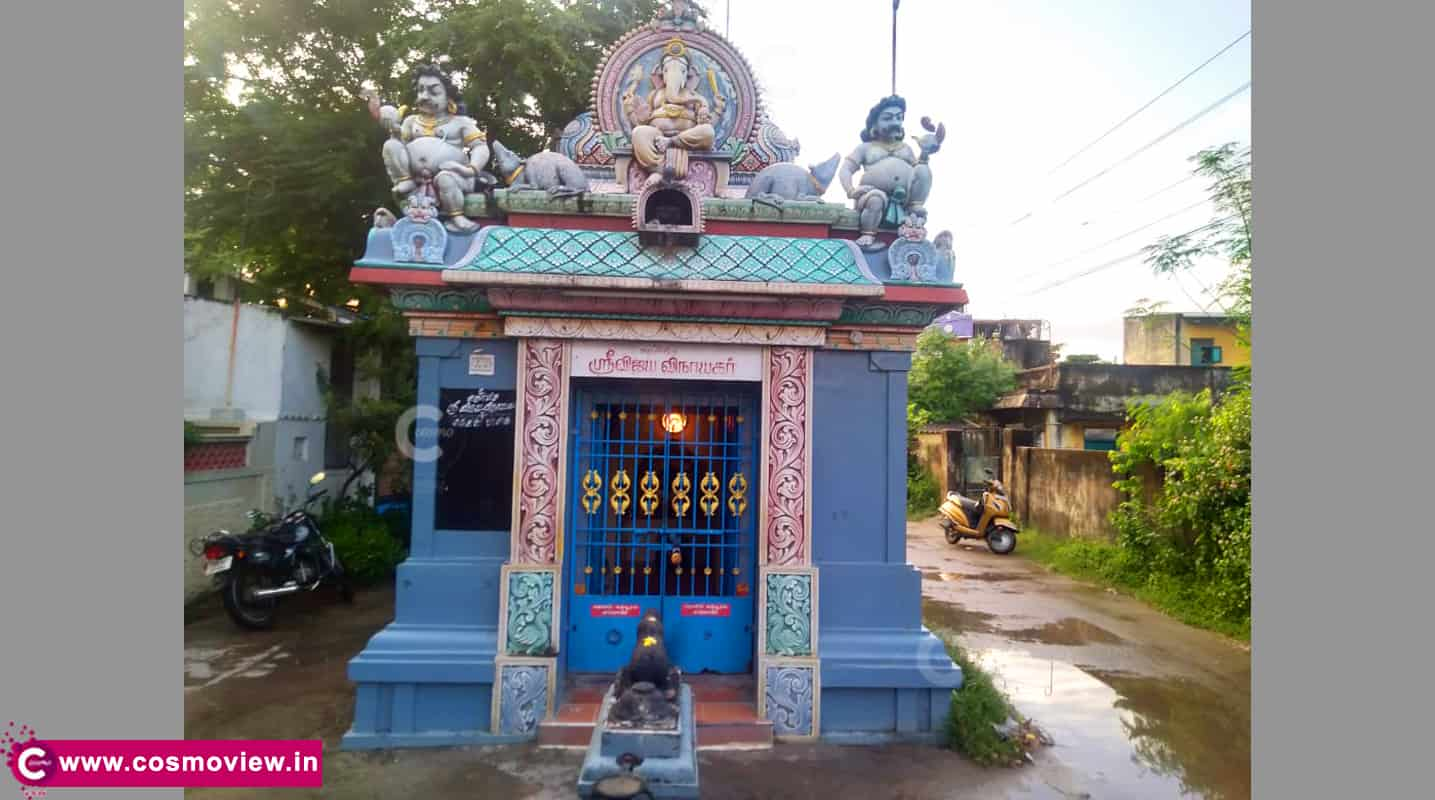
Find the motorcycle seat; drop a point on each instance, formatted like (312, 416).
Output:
(971, 508)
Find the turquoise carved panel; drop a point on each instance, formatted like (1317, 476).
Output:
(530, 614)
(789, 614)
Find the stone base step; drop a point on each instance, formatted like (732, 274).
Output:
(726, 713)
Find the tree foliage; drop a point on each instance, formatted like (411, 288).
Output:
(951, 379)
(1184, 470)
(1228, 236)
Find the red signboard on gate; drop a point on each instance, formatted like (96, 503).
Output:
(707, 610)
(613, 610)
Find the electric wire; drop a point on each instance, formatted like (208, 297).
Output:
(1143, 148)
(1116, 261)
(1112, 240)
(1150, 102)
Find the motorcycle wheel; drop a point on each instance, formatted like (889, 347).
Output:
(952, 536)
(248, 612)
(1001, 541)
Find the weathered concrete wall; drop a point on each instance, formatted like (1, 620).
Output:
(218, 499)
(933, 456)
(1064, 492)
(259, 350)
(1149, 340)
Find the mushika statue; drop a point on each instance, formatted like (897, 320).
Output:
(672, 116)
(895, 180)
(436, 151)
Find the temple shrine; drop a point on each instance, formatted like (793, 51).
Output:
(657, 372)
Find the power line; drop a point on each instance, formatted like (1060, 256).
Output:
(1150, 102)
(1120, 260)
(1113, 240)
(1159, 139)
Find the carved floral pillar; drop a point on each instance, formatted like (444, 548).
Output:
(537, 514)
(788, 676)
(529, 596)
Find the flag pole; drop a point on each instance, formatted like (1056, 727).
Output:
(895, 3)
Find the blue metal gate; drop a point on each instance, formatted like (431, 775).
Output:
(662, 515)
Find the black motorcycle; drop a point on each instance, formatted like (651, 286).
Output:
(281, 556)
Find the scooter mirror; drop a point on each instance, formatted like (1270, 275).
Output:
(317, 479)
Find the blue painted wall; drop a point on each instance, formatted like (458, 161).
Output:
(427, 678)
(883, 674)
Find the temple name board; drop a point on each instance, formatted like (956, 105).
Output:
(666, 361)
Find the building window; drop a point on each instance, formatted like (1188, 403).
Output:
(1205, 353)
(1100, 439)
(301, 448)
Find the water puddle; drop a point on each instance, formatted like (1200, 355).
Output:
(954, 618)
(930, 575)
(1070, 631)
(1134, 736)
(997, 577)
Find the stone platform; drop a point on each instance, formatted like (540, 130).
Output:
(667, 776)
(725, 709)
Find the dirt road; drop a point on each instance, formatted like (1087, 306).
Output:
(1140, 705)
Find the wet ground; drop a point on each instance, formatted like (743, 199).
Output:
(1140, 706)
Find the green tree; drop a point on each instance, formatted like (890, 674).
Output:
(1228, 236)
(950, 379)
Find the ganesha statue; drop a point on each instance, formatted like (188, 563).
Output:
(672, 119)
(436, 151)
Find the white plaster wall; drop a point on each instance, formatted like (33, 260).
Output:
(259, 354)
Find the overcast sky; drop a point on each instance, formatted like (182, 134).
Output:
(1022, 85)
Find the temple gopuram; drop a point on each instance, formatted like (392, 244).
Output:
(657, 372)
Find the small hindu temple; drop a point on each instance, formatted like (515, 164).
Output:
(657, 373)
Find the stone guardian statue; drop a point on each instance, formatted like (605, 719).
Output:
(895, 180)
(435, 151)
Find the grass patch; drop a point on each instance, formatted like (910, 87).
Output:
(976, 709)
(1184, 597)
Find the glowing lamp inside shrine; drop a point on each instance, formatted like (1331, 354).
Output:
(674, 422)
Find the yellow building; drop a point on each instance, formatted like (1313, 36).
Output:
(1183, 339)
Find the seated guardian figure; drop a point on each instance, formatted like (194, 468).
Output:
(435, 150)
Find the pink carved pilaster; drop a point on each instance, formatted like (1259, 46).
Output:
(787, 456)
(536, 512)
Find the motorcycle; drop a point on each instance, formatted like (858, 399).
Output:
(281, 557)
(990, 519)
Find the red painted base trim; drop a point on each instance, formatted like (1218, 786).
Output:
(396, 277)
(925, 294)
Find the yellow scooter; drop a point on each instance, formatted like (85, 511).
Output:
(964, 518)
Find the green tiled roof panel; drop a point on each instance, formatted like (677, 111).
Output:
(619, 254)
